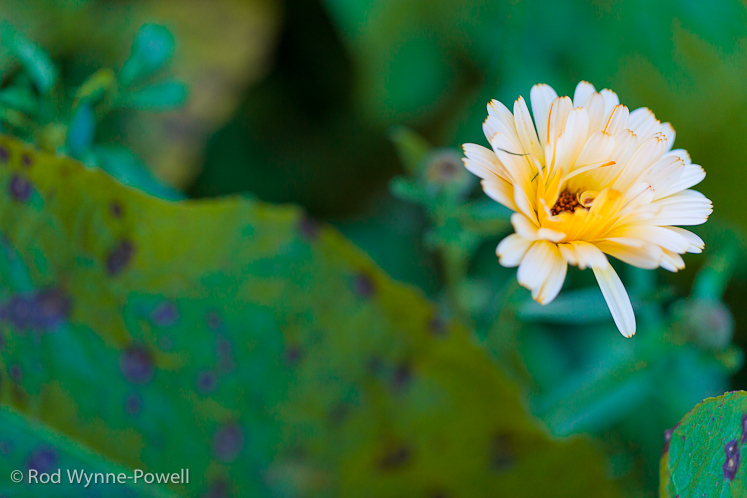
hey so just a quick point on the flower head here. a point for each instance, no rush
(592, 178)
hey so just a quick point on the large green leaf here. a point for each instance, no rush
(245, 343)
(702, 454)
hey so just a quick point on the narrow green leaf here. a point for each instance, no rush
(152, 47)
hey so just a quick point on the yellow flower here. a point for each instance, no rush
(593, 178)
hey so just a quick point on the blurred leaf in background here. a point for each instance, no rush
(223, 47)
(262, 352)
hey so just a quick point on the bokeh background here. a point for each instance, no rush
(319, 102)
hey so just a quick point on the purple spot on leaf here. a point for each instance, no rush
(207, 382)
(293, 355)
(136, 364)
(51, 308)
(744, 428)
(364, 286)
(165, 315)
(15, 372)
(401, 376)
(219, 489)
(228, 442)
(502, 451)
(120, 257)
(308, 227)
(42, 459)
(213, 320)
(133, 404)
(437, 326)
(19, 188)
(4, 154)
(116, 209)
(26, 160)
(731, 465)
(395, 458)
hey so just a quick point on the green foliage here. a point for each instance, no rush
(223, 336)
(60, 125)
(152, 47)
(702, 453)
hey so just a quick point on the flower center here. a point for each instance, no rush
(567, 202)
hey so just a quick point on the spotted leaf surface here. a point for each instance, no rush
(704, 455)
(249, 344)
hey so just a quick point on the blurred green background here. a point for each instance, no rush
(308, 102)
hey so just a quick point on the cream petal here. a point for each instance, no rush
(671, 261)
(644, 157)
(524, 226)
(644, 124)
(617, 299)
(554, 283)
(692, 175)
(483, 162)
(572, 140)
(500, 191)
(661, 236)
(669, 133)
(560, 111)
(597, 149)
(525, 129)
(541, 98)
(551, 235)
(618, 120)
(696, 243)
(682, 154)
(595, 107)
(685, 208)
(610, 101)
(584, 255)
(499, 111)
(632, 251)
(542, 270)
(584, 91)
(664, 173)
(511, 250)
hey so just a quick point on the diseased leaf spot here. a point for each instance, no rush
(26, 160)
(364, 286)
(401, 376)
(309, 228)
(116, 209)
(165, 315)
(731, 465)
(4, 154)
(293, 355)
(20, 188)
(338, 414)
(744, 428)
(44, 310)
(437, 326)
(43, 459)
(228, 442)
(502, 452)
(136, 364)
(207, 382)
(120, 257)
(133, 404)
(16, 373)
(395, 458)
